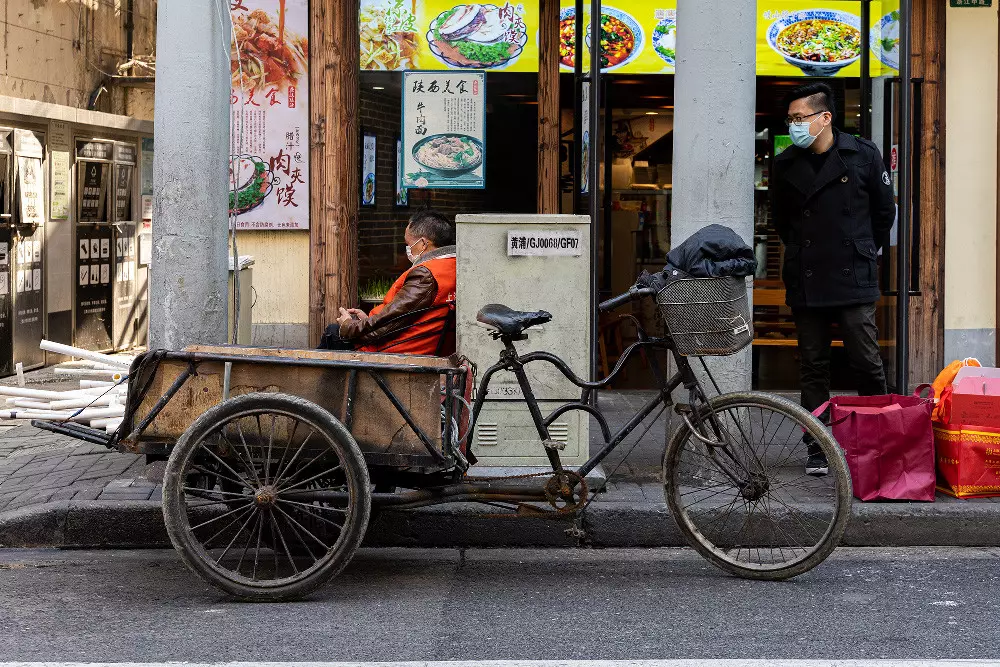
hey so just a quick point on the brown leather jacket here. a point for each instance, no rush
(419, 291)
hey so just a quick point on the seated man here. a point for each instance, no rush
(415, 316)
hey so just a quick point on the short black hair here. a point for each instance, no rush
(433, 226)
(819, 95)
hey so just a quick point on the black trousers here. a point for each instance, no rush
(860, 335)
(331, 339)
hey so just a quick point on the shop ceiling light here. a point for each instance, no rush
(652, 113)
(378, 87)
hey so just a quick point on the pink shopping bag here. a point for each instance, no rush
(888, 442)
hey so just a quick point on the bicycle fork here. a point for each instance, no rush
(753, 484)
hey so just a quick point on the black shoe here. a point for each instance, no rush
(816, 465)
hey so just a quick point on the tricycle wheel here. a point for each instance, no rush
(289, 500)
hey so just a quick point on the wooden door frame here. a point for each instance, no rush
(926, 331)
(334, 179)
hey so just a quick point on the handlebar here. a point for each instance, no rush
(620, 300)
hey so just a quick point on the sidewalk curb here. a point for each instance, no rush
(139, 524)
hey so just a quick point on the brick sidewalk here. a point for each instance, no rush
(38, 467)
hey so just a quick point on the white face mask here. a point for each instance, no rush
(800, 135)
(409, 253)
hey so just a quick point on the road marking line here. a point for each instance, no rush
(540, 663)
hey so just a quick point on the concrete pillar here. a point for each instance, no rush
(714, 106)
(188, 276)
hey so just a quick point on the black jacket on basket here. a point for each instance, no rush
(833, 212)
(713, 252)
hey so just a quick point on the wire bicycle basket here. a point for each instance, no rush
(707, 317)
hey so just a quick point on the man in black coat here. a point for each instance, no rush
(833, 206)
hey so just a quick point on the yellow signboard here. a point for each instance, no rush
(794, 37)
(446, 34)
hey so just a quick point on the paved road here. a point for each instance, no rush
(396, 605)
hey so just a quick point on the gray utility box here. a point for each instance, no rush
(527, 262)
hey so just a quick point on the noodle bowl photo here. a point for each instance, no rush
(820, 42)
(449, 155)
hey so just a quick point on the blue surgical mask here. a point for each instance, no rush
(800, 135)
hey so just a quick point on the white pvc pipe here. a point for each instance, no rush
(113, 426)
(70, 403)
(93, 384)
(70, 351)
(101, 423)
(92, 373)
(34, 405)
(97, 413)
(33, 414)
(28, 392)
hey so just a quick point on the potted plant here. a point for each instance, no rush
(373, 292)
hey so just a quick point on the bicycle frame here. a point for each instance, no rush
(511, 361)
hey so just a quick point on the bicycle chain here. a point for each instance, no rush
(527, 510)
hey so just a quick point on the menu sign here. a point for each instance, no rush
(444, 121)
(31, 189)
(794, 37)
(368, 170)
(269, 120)
(123, 193)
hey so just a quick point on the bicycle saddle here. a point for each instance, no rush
(511, 322)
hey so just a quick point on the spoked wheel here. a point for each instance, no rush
(266, 497)
(739, 489)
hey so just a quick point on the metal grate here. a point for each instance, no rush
(559, 432)
(707, 316)
(487, 435)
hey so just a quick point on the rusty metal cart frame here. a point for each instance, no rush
(302, 505)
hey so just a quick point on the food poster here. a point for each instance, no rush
(444, 121)
(269, 122)
(793, 38)
(639, 36)
(368, 158)
(401, 35)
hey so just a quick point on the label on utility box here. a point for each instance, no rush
(534, 244)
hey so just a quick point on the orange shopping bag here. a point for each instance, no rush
(943, 381)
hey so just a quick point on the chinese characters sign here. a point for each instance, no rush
(444, 119)
(532, 244)
(269, 120)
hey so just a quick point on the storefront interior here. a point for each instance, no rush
(634, 226)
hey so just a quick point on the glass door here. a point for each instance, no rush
(893, 128)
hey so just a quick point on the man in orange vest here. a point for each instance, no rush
(415, 317)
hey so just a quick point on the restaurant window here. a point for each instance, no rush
(390, 194)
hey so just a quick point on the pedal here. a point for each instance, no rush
(554, 444)
(575, 532)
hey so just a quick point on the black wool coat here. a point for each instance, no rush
(832, 222)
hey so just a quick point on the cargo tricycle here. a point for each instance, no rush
(276, 458)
